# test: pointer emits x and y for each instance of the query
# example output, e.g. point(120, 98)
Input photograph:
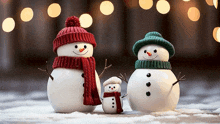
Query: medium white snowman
point(112, 101)
point(153, 87)
point(74, 84)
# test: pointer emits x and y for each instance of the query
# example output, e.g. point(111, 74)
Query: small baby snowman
point(112, 102)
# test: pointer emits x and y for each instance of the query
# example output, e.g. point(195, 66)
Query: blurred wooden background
point(29, 45)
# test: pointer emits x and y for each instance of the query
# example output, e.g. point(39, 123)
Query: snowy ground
point(198, 104)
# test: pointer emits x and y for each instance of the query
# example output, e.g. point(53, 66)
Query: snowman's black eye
point(109, 86)
point(114, 87)
point(85, 46)
point(155, 51)
point(76, 46)
point(145, 51)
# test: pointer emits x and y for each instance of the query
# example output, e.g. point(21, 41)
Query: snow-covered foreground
point(27, 109)
point(198, 104)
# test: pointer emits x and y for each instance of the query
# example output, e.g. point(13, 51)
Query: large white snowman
point(112, 101)
point(75, 85)
point(153, 87)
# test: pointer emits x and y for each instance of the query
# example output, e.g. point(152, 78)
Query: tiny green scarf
point(143, 64)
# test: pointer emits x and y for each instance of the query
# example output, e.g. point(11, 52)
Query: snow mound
point(217, 111)
point(205, 115)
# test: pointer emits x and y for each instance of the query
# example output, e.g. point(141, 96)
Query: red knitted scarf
point(91, 96)
point(117, 98)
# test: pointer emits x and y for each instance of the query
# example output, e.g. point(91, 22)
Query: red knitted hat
point(72, 33)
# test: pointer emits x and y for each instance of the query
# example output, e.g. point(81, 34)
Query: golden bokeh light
point(146, 4)
point(54, 10)
point(26, 14)
point(163, 6)
point(4, 1)
point(218, 35)
point(214, 34)
point(85, 20)
point(193, 14)
point(8, 25)
point(209, 2)
point(186, 0)
point(215, 2)
point(106, 7)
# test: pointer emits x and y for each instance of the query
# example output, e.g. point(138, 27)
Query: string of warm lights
point(107, 8)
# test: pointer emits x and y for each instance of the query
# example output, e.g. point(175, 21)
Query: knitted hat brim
point(154, 40)
point(72, 38)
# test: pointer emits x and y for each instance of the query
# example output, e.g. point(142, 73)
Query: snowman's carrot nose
point(149, 54)
point(82, 49)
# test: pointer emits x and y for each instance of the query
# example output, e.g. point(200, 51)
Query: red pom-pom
point(72, 21)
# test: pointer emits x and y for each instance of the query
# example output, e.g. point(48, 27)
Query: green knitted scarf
point(143, 64)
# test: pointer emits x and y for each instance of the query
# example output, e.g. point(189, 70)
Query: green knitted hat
point(153, 38)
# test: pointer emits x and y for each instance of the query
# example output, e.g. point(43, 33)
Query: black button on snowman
point(150, 87)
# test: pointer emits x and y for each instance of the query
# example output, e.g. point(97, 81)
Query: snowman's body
point(150, 87)
point(109, 104)
point(66, 91)
point(151, 90)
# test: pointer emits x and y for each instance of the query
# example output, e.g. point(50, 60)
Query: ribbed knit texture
point(73, 33)
point(91, 96)
point(153, 38)
point(143, 64)
point(117, 98)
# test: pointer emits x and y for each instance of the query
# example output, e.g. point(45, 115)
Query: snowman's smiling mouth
point(151, 59)
point(81, 54)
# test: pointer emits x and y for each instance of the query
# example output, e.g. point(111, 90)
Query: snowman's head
point(153, 52)
point(113, 84)
point(73, 40)
point(112, 88)
point(77, 49)
point(153, 47)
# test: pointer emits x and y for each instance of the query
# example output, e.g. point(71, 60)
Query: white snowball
point(65, 92)
point(149, 91)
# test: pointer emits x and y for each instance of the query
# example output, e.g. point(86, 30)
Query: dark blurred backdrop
point(29, 45)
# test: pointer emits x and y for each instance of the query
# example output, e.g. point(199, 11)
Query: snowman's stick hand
point(41, 69)
point(122, 75)
point(105, 68)
point(182, 78)
point(123, 78)
point(124, 95)
point(179, 75)
point(179, 79)
point(175, 83)
point(46, 71)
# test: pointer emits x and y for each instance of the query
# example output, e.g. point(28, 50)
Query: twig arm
point(122, 77)
point(105, 68)
point(179, 79)
point(46, 70)
point(124, 96)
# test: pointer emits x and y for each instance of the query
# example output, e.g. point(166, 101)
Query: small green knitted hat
point(153, 38)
